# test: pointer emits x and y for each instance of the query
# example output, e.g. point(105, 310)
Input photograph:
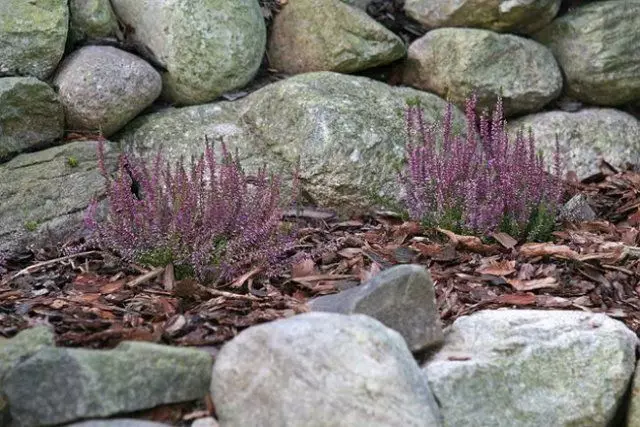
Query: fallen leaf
point(530, 285)
point(516, 299)
point(498, 268)
point(531, 250)
point(505, 240)
point(471, 243)
point(305, 267)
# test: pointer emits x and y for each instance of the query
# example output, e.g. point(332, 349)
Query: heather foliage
point(480, 183)
point(212, 221)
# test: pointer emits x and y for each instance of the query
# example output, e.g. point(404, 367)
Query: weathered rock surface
point(320, 369)
point(32, 36)
point(99, 383)
point(531, 368)
point(584, 137)
point(22, 346)
point(102, 88)
point(31, 115)
point(44, 197)
point(341, 127)
point(402, 298)
point(91, 19)
point(454, 62)
point(118, 422)
point(633, 414)
point(596, 46)
point(336, 37)
point(577, 209)
point(519, 16)
point(207, 48)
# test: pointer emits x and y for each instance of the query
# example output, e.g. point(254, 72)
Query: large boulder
point(584, 137)
point(520, 16)
point(321, 369)
point(207, 47)
point(99, 383)
point(520, 368)
point(402, 298)
point(454, 62)
point(346, 131)
point(102, 88)
point(336, 37)
point(31, 115)
point(32, 36)
point(91, 19)
point(596, 46)
point(44, 194)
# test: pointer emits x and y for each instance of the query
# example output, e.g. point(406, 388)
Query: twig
point(35, 267)
point(145, 277)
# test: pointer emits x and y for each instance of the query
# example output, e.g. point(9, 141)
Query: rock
point(342, 128)
point(402, 298)
point(118, 422)
point(24, 345)
point(519, 16)
point(454, 62)
point(33, 35)
point(103, 88)
point(31, 117)
point(320, 369)
point(44, 197)
point(532, 368)
point(596, 46)
point(205, 422)
point(360, 4)
point(577, 209)
point(336, 37)
point(633, 416)
point(91, 19)
point(584, 137)
point(207, 48)
point(99, 383)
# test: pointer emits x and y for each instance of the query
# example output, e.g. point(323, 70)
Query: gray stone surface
point(402, 298)
point(633, 416)
point(516, 16)
point(207, 48)
point(99, 383)
point(532, 368)
point(32, 36)
point(336, 37)
point(596, 46)
point(577, 209)
point(91, 19)
point(320, 369)
point(118, 422)
point(454, 62)
point(102, 88)
point(24, 345)
point(585, 136)
point(44, 198)
point(31, 115)
point(341, 127)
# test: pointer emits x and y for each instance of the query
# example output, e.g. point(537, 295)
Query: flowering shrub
point(481, 183)
point(212, 221)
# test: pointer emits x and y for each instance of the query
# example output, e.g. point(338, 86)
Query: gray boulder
point(633, 416)
point(596, 46)
point(91, 19)
point(336, 37)
point(99, 383)
point(340, 127)
point(532, 368)
point(519, 16)
point(320, 369)
point(103, 88)
point(402, 298)
point(24, 345)
point(32, 36)
point(585, 136)
point(31, 115)
point(207, 47)
point(44, 194)
point(118, 422)
point(454, 62)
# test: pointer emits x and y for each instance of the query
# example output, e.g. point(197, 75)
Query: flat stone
point(402, 298)
point(31, 118)
point(102, 88)
point(100, 383)
point(33, 35)
point(320, 369)
point(533, 368)
point(337, 37)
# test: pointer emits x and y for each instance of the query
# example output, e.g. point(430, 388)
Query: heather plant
point(212, 221)
point(480, 183)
